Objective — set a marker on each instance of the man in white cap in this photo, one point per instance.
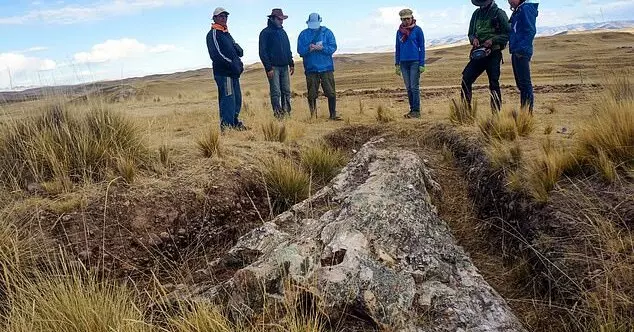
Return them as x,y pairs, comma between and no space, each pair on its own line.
225,55
316,45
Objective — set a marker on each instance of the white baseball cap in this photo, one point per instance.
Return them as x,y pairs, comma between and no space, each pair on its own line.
219,11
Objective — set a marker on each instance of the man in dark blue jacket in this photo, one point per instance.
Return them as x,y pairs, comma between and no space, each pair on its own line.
523,31
316,45
410,59
276,56
225,55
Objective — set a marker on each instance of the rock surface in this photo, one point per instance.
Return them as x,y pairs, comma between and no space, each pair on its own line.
369,244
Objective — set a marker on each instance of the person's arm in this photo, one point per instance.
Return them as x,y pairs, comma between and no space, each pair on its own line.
303,44
216,45
505,28
421,52
264,53
330,43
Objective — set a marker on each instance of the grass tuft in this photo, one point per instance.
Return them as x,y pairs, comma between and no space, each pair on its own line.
322,162
384,114
461,114
274,131
209,143
286,183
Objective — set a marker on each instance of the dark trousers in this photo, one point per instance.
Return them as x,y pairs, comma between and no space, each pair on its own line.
229,100
522,71
280,90
327,82
475,68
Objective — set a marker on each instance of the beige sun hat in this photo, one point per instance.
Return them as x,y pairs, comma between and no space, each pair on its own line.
406,13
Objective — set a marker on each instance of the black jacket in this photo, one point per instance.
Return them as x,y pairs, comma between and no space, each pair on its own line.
225,54
275,48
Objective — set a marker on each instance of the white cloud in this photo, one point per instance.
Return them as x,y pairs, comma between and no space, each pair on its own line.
119,49
92,11
17,63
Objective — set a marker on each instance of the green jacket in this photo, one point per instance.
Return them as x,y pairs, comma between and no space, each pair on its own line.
490,23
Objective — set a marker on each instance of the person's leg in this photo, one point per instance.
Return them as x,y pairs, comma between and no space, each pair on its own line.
237,90
493,72
276,93
470,74
415,87
226,101
285,85
312,85
522,71
405,71
330,91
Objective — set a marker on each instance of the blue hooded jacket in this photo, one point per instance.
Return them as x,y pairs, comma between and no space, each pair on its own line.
523,29
413,49
317,61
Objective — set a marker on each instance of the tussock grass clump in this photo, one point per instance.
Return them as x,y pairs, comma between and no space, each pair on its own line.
164,156
543,172
524,122
500,126
286,183
209,143
607,140
71,299
68,146
461,114
274,131
504,156
384,114
322,162
201,318
16,248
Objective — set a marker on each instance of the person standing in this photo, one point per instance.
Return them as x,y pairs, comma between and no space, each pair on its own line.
316,45
488,34
523,29
225,55
276,56
410,59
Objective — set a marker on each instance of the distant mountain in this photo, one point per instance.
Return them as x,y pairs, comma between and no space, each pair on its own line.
615,25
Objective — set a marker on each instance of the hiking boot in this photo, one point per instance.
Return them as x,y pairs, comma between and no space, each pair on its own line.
412,115
336,118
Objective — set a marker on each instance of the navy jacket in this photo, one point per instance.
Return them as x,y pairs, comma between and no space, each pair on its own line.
523,29
275,48
317,61
225,54
413,49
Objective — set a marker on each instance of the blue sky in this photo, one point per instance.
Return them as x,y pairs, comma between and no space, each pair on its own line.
74,41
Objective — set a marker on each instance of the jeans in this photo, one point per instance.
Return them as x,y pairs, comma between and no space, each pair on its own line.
522,71
475,68
280,89
411,77
229,100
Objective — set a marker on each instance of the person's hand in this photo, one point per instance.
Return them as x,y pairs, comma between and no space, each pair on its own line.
269,74
475,43
292,71
488,43
311,47
319,47
421,69
397,70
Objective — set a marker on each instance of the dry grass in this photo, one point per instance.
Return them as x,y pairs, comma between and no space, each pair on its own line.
524,122
384,114
461,114
71,299
274,131
503,156
499,126
69,146
209,143
322,162
201,318
286,183
543,172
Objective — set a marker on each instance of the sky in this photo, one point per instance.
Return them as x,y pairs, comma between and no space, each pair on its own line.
52,42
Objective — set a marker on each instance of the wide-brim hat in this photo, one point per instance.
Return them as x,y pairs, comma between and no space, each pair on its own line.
277,12
481,3
219,11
